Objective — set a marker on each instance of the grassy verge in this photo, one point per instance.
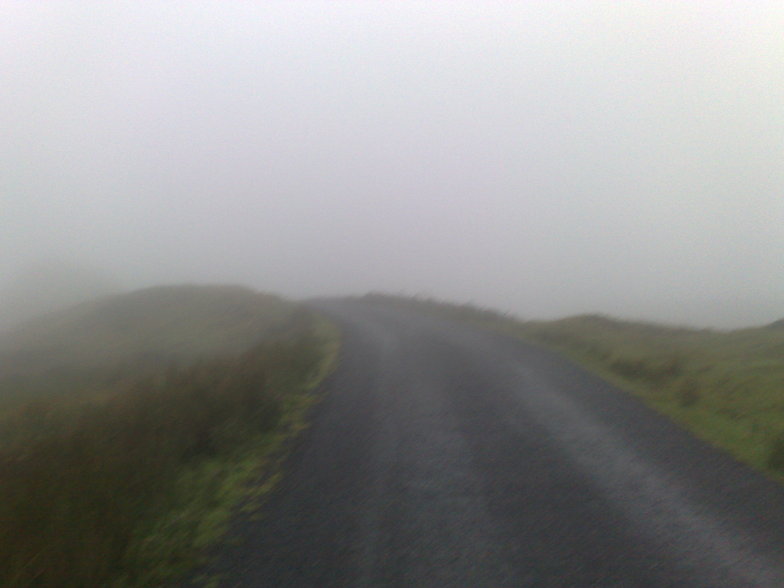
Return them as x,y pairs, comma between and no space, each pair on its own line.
207,495
126,486
725,387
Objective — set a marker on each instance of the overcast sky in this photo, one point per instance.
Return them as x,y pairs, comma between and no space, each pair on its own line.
548,158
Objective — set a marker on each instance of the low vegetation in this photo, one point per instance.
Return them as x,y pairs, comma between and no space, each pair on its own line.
125,480
725,386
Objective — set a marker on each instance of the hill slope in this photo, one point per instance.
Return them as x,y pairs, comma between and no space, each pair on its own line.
130,428
101,341
181,322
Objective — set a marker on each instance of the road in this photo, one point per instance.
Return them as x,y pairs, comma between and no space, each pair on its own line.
445,456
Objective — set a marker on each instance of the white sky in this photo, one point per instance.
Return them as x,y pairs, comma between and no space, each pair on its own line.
547,158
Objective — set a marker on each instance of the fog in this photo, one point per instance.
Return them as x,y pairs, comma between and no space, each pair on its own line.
544,158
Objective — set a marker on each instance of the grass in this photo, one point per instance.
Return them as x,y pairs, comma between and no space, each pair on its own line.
726,387
126,485
208,495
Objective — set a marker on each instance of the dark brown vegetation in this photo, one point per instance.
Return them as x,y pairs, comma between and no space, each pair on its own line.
84,477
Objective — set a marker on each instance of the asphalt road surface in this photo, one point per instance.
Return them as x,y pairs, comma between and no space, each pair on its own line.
445,456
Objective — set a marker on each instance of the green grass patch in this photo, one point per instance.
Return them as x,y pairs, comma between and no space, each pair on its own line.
208,496
725,387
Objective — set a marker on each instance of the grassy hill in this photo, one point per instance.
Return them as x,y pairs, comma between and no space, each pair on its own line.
130,427
101,341
173,322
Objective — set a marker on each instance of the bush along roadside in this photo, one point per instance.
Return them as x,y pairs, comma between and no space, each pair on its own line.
127,490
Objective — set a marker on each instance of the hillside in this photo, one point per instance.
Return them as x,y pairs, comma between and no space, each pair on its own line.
779,324
99,341
182,322
132,426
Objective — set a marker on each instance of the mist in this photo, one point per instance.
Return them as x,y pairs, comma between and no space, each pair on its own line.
542,158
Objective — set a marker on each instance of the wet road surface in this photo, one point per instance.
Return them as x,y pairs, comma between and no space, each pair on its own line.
446,456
